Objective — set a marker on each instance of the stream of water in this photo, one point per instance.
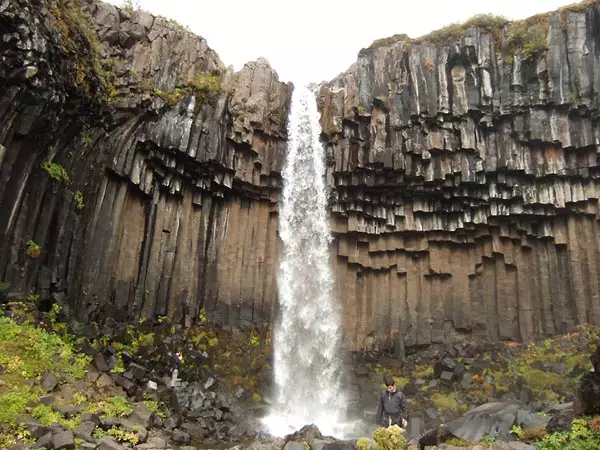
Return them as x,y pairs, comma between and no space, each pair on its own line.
307,335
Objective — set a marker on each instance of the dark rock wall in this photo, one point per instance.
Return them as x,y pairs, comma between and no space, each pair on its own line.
465,186
178,187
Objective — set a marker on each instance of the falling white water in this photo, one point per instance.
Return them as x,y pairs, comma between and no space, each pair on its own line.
307,350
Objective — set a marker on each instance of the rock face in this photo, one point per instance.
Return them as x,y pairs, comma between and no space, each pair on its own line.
146,172
464,182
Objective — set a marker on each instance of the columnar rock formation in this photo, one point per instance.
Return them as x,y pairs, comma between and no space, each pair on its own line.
167,200
463,170
464,182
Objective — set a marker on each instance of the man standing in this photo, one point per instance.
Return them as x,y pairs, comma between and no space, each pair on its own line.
392,408
175,362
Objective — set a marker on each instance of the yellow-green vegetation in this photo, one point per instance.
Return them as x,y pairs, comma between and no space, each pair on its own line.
26,353
391,438
458,442
241,358
401,382
155,407
47,415
202,87
447,402
79,42
423,371
488,23
529,434
581,437
363,443
33,249
205,84
115,406
528,365
79,200
56,171
119,433
530,36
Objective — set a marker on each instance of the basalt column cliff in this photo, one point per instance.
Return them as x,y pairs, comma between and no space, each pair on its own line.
464,176
138,176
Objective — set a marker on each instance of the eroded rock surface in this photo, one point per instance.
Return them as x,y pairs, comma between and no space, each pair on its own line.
465,186
171,166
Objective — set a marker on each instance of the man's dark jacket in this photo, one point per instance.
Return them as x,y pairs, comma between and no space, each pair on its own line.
392,405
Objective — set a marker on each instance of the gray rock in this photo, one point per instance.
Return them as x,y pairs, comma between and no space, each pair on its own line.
45,441
141,416
49,382
446,376
63,440
489,419
180,437
84,430
101,363
294,445
108,443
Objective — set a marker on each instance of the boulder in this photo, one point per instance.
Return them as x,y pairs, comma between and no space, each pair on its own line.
49,382
108,443
180,437
63,440
489,419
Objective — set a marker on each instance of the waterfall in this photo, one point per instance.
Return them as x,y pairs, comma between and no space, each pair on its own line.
307,335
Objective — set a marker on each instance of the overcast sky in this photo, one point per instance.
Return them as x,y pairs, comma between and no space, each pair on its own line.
314,40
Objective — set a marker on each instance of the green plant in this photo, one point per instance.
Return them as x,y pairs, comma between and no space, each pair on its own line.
26,353
33,297
33,249
391,438
4,287
122,435
86,140
363,443
202,318
517,430
529,36
205,84
488,440
155,407
254,339
581,437
446,401
79,200
115,406
56,171
458,442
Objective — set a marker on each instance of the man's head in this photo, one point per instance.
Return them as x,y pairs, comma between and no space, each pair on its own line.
390,385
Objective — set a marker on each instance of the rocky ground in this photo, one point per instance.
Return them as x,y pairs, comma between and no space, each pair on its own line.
107,387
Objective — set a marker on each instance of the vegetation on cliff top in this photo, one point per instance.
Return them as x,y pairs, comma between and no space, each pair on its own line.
528,35
80,61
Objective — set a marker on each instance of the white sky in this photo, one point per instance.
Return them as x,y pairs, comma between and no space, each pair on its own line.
314,40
